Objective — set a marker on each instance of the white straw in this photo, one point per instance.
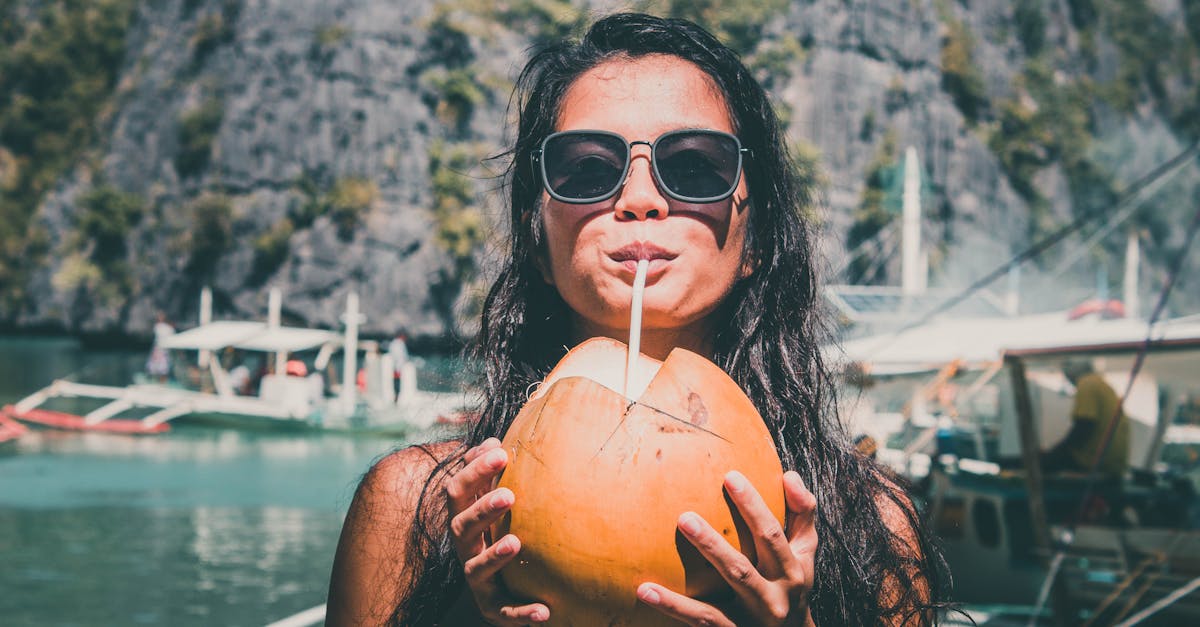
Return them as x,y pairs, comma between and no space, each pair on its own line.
635,323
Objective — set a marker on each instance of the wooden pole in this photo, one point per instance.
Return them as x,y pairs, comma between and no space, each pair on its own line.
1031,458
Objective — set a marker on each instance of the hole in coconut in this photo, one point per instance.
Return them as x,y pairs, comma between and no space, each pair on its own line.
616,366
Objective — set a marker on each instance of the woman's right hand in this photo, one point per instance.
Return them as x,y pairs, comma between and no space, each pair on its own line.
473,510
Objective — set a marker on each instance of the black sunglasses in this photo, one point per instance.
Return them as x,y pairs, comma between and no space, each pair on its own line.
691,165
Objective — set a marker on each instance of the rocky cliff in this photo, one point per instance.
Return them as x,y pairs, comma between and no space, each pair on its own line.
342,145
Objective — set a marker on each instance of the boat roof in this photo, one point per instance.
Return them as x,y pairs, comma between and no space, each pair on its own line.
889,304
984,340
255,336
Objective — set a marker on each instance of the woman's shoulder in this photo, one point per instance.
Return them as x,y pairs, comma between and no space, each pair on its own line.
371,569
898,511
399,477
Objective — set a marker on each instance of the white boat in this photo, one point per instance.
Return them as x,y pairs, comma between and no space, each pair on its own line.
363,400
945,403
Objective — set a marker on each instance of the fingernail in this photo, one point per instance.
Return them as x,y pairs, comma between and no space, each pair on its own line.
735,480
495,458
505,547
690,523
502,498
649,595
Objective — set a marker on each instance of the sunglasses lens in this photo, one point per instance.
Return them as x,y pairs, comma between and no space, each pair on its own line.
698,165
584,166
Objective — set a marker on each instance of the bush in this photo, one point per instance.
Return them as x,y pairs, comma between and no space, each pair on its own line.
1031,25
458,221
737,23
872,214
57,74
212,31
210,235
331,35
960,76
349,199
457,93
345,202
271,249
105,220
197,130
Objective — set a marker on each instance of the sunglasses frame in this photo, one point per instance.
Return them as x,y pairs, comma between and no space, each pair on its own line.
540,165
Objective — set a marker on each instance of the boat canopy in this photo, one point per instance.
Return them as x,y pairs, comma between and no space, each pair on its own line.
254,336
983,340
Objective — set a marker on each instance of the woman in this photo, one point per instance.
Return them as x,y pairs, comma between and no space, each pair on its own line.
731,276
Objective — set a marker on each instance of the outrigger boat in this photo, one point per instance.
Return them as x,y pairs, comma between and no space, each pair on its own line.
281,399
964,406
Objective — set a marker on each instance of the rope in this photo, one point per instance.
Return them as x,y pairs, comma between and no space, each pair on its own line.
1046,243
1112,223
1157,558
1131,193
1162,603
1139,361
1137,367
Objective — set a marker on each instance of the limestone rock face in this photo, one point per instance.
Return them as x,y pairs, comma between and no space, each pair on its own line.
318,100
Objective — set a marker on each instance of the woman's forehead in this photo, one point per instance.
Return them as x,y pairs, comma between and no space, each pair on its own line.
644,97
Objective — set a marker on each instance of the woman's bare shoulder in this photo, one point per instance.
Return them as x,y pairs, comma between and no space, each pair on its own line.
399,477
899,513
371,569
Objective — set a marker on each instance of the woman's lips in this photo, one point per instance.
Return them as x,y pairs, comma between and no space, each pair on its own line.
628,256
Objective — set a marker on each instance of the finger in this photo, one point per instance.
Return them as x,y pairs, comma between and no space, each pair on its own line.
481,569
467,527
682,608
532,613
770,542
801,505
802,528
481,448
474,478
736,569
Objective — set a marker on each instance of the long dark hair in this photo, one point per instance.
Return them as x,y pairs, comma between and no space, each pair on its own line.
767,339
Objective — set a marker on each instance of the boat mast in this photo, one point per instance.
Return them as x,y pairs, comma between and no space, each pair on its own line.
350,369
274,314
1130,285
205,318
913,272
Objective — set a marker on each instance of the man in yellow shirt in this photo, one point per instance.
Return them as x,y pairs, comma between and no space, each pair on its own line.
1096,407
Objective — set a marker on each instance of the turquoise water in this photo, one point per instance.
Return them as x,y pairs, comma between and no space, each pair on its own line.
198,526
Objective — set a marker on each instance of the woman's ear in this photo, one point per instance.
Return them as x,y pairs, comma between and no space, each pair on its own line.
749,265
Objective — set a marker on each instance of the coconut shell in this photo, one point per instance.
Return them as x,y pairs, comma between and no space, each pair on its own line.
600,481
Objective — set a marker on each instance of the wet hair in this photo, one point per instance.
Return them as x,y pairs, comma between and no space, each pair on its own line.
768,335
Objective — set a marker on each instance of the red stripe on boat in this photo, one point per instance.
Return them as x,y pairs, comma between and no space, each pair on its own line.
10,429
62,420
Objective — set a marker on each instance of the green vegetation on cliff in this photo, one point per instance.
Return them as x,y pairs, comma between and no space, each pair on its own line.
59,62
97,252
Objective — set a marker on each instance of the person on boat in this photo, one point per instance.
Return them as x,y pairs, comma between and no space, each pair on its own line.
1095,408
398,353
158,364
239,372
733,279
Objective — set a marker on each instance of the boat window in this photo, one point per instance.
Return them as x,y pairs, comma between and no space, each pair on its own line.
987,523
949,520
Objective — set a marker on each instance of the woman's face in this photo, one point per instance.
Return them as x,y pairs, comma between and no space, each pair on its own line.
695,252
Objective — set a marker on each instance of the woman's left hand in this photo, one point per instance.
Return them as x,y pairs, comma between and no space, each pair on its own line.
775,591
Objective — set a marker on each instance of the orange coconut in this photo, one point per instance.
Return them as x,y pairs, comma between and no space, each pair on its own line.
600,481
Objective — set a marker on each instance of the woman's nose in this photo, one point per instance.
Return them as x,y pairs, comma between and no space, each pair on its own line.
639,198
